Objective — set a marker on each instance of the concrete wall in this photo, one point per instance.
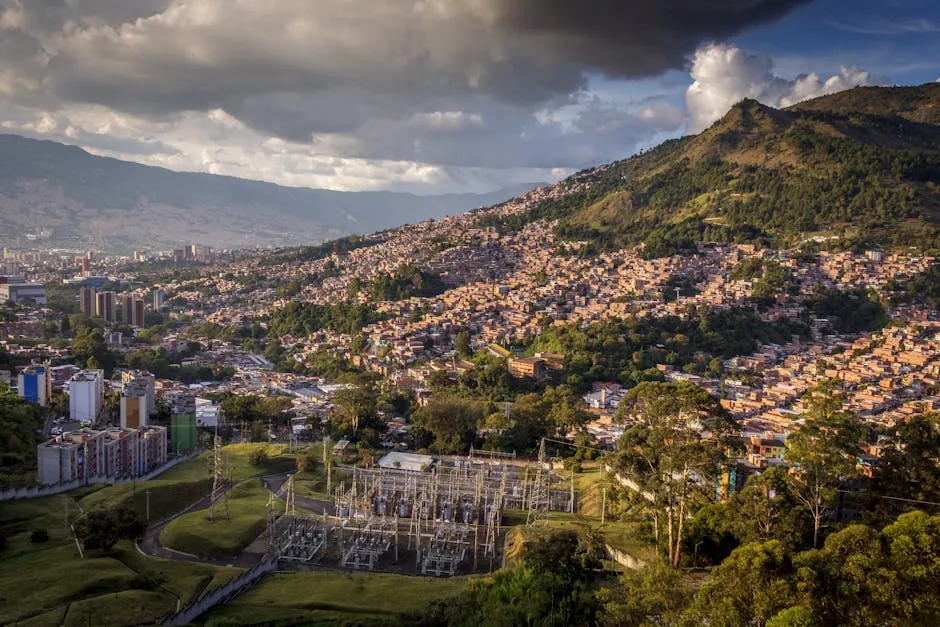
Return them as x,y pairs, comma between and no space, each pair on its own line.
244,581
624,559
33,492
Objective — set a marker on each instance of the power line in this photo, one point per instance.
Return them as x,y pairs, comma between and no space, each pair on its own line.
585,446
890,498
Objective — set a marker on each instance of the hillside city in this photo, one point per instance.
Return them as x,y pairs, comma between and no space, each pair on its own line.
642,429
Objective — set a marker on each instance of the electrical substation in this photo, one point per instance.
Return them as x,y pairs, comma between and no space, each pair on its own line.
440,521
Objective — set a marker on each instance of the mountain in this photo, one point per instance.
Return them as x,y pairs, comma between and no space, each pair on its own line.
860,168
68,197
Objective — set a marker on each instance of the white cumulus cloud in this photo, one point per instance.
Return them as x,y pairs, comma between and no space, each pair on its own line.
724,74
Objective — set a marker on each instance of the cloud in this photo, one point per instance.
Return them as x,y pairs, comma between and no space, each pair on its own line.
915,26
724,74
463,89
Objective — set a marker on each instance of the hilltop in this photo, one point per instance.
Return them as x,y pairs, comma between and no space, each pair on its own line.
860,167
86,201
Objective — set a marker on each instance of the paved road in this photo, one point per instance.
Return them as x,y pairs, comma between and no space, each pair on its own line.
150,543
275,484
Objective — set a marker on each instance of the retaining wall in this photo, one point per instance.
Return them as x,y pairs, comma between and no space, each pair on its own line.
33,492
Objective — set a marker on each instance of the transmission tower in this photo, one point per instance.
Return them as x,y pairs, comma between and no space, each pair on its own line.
539,493
218,499
271,531
289,501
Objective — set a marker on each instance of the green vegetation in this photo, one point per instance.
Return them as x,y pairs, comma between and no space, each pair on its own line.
763,175
552,586
165,365
629,350
101,528
19,421
196,534
302,319
49,583
336,598
924,289
407,281
849,312
322,251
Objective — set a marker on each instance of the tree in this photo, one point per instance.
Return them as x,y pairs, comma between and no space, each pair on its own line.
552,587
450,423
910,465
258,457
822,450
19,423
672,454
101,528
89,344
567,411
753,585
766,509
354,405
654,595
307,462
462,344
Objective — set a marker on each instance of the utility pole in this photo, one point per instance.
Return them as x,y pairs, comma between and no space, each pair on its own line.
148,505
603,505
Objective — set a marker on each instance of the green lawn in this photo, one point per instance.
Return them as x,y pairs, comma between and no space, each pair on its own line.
222,538
49,584
40,584
166,496
237,458
313,484
334,596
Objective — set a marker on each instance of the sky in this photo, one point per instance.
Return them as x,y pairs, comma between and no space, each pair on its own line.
429,96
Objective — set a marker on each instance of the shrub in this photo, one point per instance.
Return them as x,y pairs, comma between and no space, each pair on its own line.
39,535
258,457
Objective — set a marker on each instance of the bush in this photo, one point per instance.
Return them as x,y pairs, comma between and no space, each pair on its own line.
38,536
307,462
258,457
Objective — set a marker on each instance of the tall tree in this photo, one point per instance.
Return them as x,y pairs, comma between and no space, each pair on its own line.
823,452
355,404
766,509
462,344
451,422
673,453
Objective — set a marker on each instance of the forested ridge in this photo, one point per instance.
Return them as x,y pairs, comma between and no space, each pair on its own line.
866,170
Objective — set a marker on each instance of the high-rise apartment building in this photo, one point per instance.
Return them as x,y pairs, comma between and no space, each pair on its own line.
134,309
139,312
88,300
146,379
159,299
86,395
105,306
34,385
72,456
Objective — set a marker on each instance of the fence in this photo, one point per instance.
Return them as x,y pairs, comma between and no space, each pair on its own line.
197,608
33,492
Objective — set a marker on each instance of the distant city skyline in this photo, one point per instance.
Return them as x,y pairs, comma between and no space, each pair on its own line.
428,97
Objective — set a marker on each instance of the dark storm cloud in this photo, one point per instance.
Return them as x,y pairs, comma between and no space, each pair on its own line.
457,83
630,38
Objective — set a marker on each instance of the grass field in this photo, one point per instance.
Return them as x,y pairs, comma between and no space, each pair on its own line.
49,584
625,535
222,538
237,456
334,596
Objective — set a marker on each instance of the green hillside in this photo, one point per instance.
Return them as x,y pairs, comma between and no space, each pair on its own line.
862,165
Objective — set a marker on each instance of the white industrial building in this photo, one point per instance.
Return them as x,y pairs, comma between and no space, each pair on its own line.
406,461
86,395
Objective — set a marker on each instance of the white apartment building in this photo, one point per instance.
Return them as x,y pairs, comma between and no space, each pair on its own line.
86,395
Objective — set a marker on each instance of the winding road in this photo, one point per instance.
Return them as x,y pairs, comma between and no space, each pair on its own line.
150,542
